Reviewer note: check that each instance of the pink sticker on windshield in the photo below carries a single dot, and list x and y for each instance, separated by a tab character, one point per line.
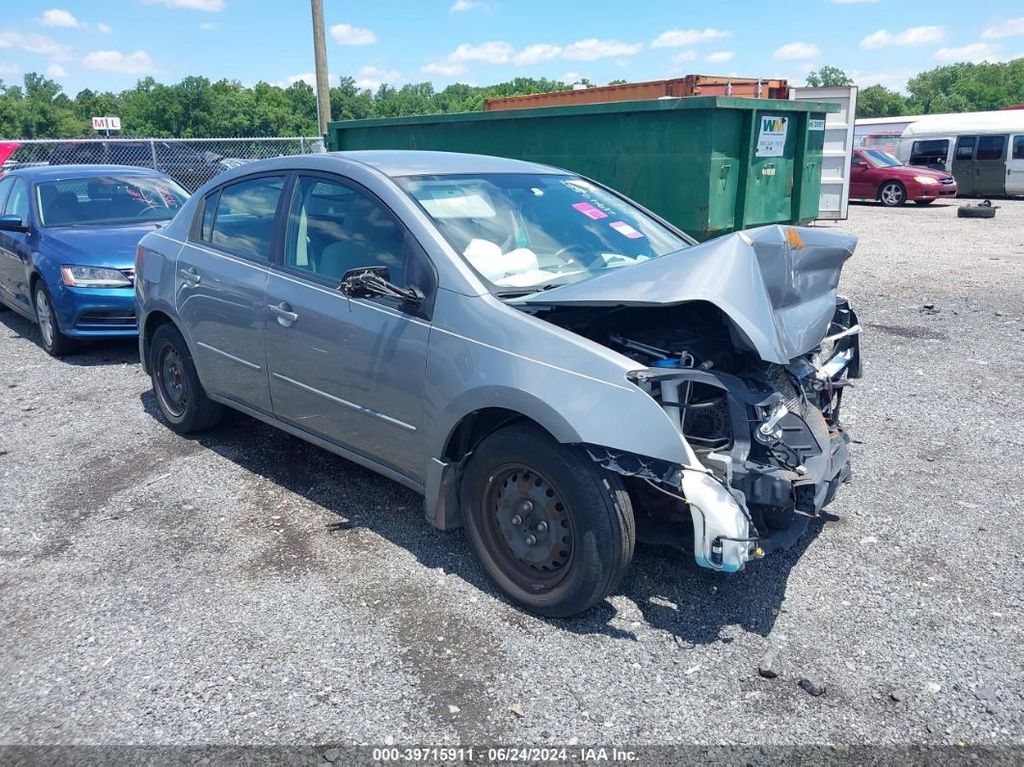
590	211
625	229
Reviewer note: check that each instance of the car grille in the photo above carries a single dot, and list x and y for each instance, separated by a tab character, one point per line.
107	319
948	180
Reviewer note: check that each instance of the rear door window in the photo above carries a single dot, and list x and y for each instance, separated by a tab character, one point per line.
965	147
991	147
244	218
1018	148
929	152
5	187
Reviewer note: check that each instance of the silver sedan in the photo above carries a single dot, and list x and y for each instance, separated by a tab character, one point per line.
554	367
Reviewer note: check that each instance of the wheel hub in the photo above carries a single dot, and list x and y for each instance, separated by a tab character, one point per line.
532	520
172	375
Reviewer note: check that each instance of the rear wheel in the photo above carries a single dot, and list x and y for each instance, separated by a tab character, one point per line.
179	392
553	530
892	194
54	343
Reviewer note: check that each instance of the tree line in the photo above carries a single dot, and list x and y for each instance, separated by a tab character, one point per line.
197	107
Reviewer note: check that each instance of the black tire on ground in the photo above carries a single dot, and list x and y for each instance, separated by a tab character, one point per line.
924	202
54	343
976	211
892	194
553	529
179	393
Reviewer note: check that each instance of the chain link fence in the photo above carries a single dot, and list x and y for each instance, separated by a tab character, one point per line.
190	162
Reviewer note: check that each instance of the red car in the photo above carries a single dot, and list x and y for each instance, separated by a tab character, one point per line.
877	175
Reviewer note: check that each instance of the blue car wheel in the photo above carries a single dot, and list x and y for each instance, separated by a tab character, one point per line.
54	343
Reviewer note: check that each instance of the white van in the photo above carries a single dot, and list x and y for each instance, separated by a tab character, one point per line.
983	150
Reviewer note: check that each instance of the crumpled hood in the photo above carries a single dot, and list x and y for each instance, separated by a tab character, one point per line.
112	246
777	284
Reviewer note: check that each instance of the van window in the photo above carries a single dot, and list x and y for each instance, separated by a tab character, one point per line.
1018	147
965	147
245	217
930	152
991	147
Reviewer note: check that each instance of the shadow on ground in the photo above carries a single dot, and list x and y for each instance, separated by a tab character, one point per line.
672	593
113	351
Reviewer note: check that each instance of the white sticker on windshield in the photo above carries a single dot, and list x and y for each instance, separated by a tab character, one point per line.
625	229
462	206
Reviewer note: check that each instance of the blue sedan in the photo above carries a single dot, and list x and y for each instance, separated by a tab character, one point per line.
67	246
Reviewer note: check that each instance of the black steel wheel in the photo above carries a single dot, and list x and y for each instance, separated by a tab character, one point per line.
553	529
179	392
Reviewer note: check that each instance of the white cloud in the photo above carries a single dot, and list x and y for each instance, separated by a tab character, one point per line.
210	6
973	52
1009	28
103	28
346	34
791	51
677	38
8	69
460	6
309	78
571	77
209	26
719	57
495	52
55	17
137	63
444	69
374	77
593	49
56	70
909	37
682	56
534	54
31	43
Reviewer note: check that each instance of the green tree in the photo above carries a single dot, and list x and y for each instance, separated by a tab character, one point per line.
967	87
828	77
879	101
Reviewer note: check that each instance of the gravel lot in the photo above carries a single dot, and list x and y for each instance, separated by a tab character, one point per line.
246	587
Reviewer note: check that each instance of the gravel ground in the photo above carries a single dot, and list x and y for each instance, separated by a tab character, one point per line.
246	587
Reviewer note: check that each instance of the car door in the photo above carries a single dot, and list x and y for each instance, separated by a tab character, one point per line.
6	243
963	164
14	248
348	369
990	166
860	184
221	287
1015	167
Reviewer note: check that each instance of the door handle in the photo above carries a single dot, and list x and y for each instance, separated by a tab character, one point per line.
283	312
190	275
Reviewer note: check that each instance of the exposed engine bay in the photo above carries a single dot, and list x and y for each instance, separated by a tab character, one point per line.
768	435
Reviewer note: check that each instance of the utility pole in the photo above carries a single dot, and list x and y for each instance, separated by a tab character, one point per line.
323	85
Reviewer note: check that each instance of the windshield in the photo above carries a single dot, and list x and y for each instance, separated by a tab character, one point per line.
881	159
533	231
108	200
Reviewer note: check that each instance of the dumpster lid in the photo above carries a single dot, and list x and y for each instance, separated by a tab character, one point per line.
776	283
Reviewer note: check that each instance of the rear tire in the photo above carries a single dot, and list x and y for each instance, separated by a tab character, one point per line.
893	194
179	392
54	343
553	529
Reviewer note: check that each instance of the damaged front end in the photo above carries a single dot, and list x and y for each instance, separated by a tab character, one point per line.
760	421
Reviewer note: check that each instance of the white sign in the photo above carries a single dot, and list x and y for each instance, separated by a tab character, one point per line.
815	125
106	123
771	137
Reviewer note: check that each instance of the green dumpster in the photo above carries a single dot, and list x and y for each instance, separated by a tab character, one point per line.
708	164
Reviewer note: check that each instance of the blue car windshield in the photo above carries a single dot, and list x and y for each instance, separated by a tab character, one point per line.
108	200
533	231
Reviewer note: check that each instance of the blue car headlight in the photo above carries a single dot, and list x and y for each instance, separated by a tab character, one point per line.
93	277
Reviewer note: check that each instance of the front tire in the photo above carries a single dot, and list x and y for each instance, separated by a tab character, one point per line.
553	530
179	392
54	343
893	194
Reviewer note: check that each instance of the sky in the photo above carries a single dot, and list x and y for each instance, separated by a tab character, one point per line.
110	44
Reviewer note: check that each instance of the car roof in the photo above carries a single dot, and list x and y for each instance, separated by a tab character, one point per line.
58	172
409	162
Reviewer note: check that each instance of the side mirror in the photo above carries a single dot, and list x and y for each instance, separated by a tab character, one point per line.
12	224
374	282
